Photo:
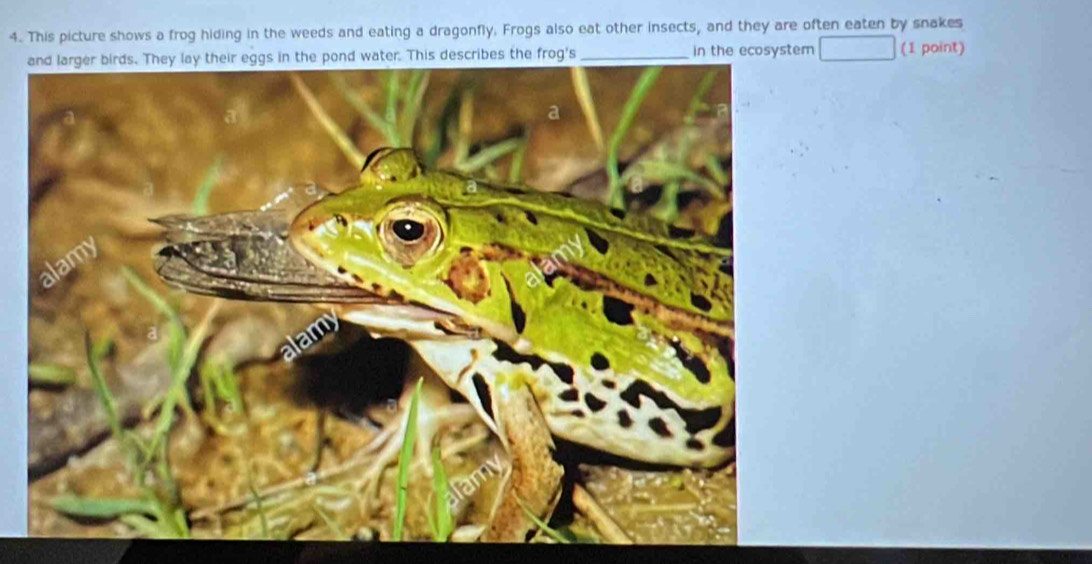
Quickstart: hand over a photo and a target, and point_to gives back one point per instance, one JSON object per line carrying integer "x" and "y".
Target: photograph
{"x": 448, "y": 305}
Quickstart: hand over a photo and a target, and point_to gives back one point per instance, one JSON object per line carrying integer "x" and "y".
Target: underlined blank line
{"x": 670, "y": 58}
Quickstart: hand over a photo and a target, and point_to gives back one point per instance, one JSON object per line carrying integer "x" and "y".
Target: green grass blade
{"x": 404, "y": 462}
{"x": 136, "y": 441}
{"x": 180, "y": 371}
{"x": 201, "y": 200}
{"x": 227, "y": 385}
{"x": 105, "y": 508}
{"x": 545, "y": 528}
{"x": 357, "y": 102}
{"x": 443, "y": 521}
{"x": 181, "y": 528}
{"x": 48, "y": 374}
{"x": 393, "y": 84}
{"x": 105, "y": 397}
{"x": 103, "y": 346}
{"x": 652, "y": 171}
{"x": 666, "y": 208}
{"x": 438, "y": 135}
{"x": 182, "y": 357}
{"x": 170, "y": 520}
{"x": 176, "y": 342}
{"x": 515, "y": 170}
{"x": 697, "y": 102}
{"x": 715, "y": 170}
{"x": 587, "y": 105}
{"x": 629, "y": 112}
{"x": 465, "y": 124}
{"x": 163, "y": 470}
{"x": 142, "y": 525}
{"x": 579, "y": 538}
{"x": 411, "y": 104}
{"x": 348, "y": 148}
{"x": 177, "y": 336}
{"x": 490, "y": 154}
{"x": 257, "y": 500}
{"x": 205, "y": 376}
{"x": 149, "y": 294}
{"x": 175, "y": 329}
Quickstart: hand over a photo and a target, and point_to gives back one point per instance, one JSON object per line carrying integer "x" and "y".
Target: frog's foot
{"x": 534, "y": 479}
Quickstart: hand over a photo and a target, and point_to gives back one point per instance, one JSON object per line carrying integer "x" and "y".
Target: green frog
{"x": 553, "y": 316}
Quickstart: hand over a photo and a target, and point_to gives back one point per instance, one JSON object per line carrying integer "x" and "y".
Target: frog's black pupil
{"x": 408, "y": 230}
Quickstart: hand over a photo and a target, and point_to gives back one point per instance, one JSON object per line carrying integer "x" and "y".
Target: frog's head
{"x": 386, "y": 235}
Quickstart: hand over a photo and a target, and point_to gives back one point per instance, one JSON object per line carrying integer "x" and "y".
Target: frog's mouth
{"x": 245, "y": 256}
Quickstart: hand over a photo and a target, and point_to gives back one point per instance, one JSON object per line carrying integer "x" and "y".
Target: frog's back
{"x": 627, "y": 322}
{"x": 636, "y": 252}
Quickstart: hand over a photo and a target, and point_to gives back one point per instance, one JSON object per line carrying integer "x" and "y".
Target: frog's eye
{"x": 372, "y": 155}
{"x": 392, "y": 165}
{"x": 410, "y": 233}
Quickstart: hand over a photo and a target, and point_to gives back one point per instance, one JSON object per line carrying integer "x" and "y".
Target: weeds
{"x": 401, "y": 106}
{"x": 403, "y": 103}
{"x": 181, "y": 357}
{"x": 716, "y": 171}
{"x": 106, "y": 399}
{"x": 218, "y": 382}
{"x": 666, "y": 209}
{"x": 439, "y": 515}
{"x": 169, "y": 523}
{"x": 408, "y": 442}
{"x": 565, "y": 535}
{"x": 486, "y": 156}
{"x": 670, "y": 170}
{"x": 47, "y": 374}
{"x": 158, "y": 512}
{"x": 256, "y": 498}
{"x": 438, "y": 511}
{"x": 489, "y": 154}
{"x": 587, "y": 105}
{"x": 515, "y": 170}
{"x": 697, "y": 102}
{"x": 557, "y": 536}
{"x": 629, "y": 112}
{"x": 201, "y": 200}
{"x": 340, "y": 139}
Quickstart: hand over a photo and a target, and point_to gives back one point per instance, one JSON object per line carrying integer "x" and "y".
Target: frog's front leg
{"x": 533, "y": 477}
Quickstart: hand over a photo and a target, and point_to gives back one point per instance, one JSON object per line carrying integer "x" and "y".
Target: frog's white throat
{"x": 402, "y": 321}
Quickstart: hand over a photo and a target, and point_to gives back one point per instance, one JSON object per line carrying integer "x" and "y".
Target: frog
{"x": 553, "y": 316}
